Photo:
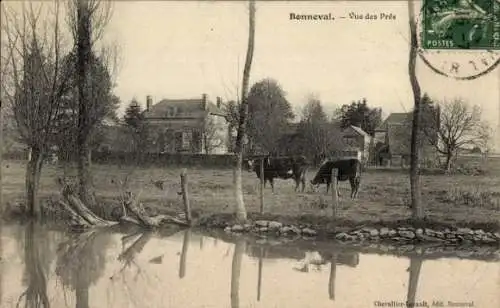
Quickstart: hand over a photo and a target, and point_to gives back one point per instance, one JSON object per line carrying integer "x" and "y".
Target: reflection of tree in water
{"x": 81, "y": 261}
{"x": 45, "y": 243}
{"x": 414, "y": 274}
{"x": 132, "y": 246}
{"x": 239, "y": 250}
{"x": 37, "y": 263}
{"x": 307, "y": 258}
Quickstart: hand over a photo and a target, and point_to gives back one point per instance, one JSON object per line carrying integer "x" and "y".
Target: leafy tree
{"x": 133, "y": 115}
{"x": 269, "y": 113}
{"x": 134, "y": 119}
{"x": 361, "y": 115}
{"x": 316, "y": 135}
{"x": 103, "y": 106}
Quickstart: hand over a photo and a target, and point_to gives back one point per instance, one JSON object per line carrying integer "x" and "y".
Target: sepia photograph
{"x": 249, "y": 153}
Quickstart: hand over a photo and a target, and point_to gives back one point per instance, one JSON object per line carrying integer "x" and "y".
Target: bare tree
{"x": 241, "y": 212}
{"x": 35, "y": 82}
{"x": 415, "y": 184}
{"x": 212, "y": 138}
{"x": 459, "y": 126}
{"x": 87, "y": 20}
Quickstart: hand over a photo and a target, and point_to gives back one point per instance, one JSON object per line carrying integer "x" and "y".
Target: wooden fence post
{"x": 185, "y": 195}
{"x": 335, "y": 196}
{"x": 333, "y": 275}
{"x": 262, "y": 186}
{"x": 185, "y": 246}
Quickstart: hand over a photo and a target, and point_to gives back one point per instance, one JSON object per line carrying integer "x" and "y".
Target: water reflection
{"x": 35, "y": 273}
{"x": 239, "y": 250}
{"x": 185, "y": 247}
{"x": 174, "y": 269}
{"x": 80, "y": 262}
{"x": 136, "y": 242}
{"x": 414, "y": 274}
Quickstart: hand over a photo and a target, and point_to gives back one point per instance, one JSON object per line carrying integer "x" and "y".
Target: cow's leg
{"x": 303, "y": 181}
{"x": 271, "y": 181}
{"x": 354, "y": 186}
{"x": 357, "y": 181}
{"x": 297, "y": 182}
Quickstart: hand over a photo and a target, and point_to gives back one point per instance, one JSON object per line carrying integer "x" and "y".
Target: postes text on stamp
{"x": 461, "y": 24}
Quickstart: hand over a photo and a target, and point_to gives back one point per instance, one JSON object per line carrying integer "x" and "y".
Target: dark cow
{"x": 289, "y": 167}
{"x": 348, "y": 169}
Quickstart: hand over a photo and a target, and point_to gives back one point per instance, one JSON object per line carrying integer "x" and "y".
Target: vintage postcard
{"x": 248, "y": 153}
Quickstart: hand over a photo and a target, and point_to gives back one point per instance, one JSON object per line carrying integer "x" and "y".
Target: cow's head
{"x": 314, "y": 185}
{"x": 248, "y": 164}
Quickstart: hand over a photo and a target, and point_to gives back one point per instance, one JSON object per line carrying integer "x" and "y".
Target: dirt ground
{"x": 384, "y": 194}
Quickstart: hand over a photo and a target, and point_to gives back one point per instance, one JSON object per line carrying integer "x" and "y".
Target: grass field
{"x": 384, "y": 194}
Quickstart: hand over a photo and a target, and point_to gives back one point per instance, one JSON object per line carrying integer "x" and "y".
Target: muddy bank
{"x": 401, "y": 232}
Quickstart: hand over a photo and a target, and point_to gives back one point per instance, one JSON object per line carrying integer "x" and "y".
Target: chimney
{"x": 204, "y": 98}
{"x": 219, "y": 101}
{"x": 149, "y": 102}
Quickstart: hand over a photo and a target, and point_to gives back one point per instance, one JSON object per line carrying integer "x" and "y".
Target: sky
{"x": 175, "y": 49}
{"x": 171, "y": 49}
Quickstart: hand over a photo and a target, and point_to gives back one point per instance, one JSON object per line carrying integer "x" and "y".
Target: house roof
{"x": 187, "y": 108}
{"x": 394, "y": 118}
{"x": 359, "y": 130}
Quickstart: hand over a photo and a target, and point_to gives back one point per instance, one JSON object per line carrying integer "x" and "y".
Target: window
{"x": 171, "y": 111}
{"x": 349, "y": 140}
{"x": 187, "y": 138}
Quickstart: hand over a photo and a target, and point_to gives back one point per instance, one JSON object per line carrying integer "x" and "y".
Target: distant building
{"x": 187, "y": 126}
{"x": 350, "y": 142}
{"x": 356, "y": 139}
{"x": 392, "y": 141}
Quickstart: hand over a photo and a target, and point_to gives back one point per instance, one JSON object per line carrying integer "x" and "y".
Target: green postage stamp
{"x": 461, "y": 24}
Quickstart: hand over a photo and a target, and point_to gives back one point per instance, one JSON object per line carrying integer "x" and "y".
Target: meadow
{"x": 384, "y": 193}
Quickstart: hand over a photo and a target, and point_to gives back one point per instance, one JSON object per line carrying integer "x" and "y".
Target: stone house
{"x": 195, "y": 126}
{"x": 357, "y": 140}
{"x": 392, "y": 142}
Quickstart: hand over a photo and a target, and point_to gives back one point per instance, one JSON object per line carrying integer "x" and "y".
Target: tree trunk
{"x": 449, "y": 160}
{"x": 415, "y": 184}
{"x": 1, "y": 158}
{"x": 241, "y": 213}
{"x": 86, "y": 192}
{"x": 33, "y": 171}
{"x": 83, "y": 55}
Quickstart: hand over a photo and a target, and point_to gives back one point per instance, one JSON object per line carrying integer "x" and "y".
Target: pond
{"x": 188, "y": 269}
